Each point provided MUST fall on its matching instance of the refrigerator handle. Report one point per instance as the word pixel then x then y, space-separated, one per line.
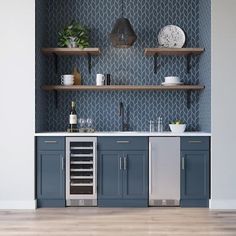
pixel 150 168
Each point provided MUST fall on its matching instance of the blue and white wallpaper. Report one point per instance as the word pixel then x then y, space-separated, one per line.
pixel 205 65
pixel 126 66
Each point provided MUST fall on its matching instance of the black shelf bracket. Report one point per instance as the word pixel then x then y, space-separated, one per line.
pixel 156 66
pixel 189 60
pixel 55 58
pixel 189 92
pixel 89 63
pixel 55 94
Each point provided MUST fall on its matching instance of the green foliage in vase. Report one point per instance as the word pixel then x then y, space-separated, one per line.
pixel 177 122
pixel 74 32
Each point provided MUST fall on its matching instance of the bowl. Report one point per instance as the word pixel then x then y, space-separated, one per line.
pixel 178 128
pixel 172 79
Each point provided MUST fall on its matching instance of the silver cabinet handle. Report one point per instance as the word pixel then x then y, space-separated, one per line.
pixel 195 141
pixel 122 141
pixel 62 163
pixel 183 163
pixel 120 163
pixel 125 163
pixel 50 142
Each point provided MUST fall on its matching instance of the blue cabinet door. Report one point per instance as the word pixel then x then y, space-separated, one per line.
pixel 195 178
pixel 135 179
pixel 109 175
pixel 50 178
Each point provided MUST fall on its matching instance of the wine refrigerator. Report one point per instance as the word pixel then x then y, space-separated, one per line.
pixel 81 167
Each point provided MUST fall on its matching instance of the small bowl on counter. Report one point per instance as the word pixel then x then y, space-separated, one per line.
pixel 177 128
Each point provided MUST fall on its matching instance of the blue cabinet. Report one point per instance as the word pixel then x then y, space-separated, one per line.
pixel 195 172
pixel 109 175
pixel 122 174
pixel 50 172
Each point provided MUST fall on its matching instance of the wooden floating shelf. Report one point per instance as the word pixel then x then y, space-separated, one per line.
pixel 72 51
pixel 122 88
pixel 173 51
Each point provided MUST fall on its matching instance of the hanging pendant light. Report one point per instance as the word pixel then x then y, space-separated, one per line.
pixel 122 34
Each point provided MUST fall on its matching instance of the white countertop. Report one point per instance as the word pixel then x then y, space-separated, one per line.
pixel 117 133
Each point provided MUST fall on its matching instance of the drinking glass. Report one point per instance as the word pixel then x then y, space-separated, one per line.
pixel 82 123
pixel 89 122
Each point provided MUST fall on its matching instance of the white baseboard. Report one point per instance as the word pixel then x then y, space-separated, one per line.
pixel 18 205
pixel 223 204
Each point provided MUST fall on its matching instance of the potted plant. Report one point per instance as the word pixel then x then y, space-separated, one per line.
pixel 177 126
pixel 74 35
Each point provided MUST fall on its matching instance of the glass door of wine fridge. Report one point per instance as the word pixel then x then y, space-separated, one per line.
pixel 81 180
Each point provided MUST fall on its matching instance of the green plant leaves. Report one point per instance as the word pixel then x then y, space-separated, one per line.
pixel 76 30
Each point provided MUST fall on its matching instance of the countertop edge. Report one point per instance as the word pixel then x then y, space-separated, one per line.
pixel 131 134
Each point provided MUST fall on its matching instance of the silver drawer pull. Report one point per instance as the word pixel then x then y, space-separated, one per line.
pixel 183 163
pixel 122 141
pixel 125 163
pixel 50 142
pixel 120 163
pixel 195 141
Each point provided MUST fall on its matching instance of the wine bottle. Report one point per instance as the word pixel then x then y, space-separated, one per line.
pixel 73 117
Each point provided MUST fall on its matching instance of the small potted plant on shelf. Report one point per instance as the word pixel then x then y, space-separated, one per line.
pixel 74 35
pixel 177 126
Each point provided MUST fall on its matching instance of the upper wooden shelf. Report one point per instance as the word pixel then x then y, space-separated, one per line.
pixel 173 51
pixel 72 51
pixel 121 87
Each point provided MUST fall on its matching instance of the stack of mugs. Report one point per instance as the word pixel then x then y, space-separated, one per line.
pixel 67 80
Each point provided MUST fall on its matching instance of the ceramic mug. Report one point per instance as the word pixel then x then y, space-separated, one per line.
pixel 100 79
pixel 67 80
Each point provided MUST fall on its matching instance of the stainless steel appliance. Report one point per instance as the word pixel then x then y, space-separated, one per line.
pixel 164 171
pixel 81 176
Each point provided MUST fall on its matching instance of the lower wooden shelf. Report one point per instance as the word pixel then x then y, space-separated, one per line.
pixel 60 88
pixel 122 87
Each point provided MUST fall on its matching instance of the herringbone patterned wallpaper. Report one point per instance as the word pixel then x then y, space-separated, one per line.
pixel 126 66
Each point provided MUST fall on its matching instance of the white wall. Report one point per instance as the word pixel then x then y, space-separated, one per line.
pixel 223 104
pixel 17 103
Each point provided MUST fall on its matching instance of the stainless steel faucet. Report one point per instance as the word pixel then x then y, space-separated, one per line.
pixel 124 126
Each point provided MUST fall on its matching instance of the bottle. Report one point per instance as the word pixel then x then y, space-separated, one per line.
pixel 77 76
pixel 159 125
pixel 73 118
pixel 151 126
pixel 108 79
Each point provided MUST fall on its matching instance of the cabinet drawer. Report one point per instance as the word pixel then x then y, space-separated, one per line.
pixel 122 143
pixel 51 143
pixel 195 143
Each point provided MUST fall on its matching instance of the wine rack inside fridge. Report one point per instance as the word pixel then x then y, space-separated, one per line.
pixel 81 180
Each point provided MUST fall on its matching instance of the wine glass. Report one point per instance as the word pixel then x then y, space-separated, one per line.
pixel 89 122
pixel 82 123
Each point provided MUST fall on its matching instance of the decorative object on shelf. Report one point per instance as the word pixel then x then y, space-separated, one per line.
pixel 177 126
pixel 77 76
pixel 108 79
pixel 100 79
pixel 171 36
pixel 74 35
pixel 122 34
pixel 67 80
pixel 171 81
